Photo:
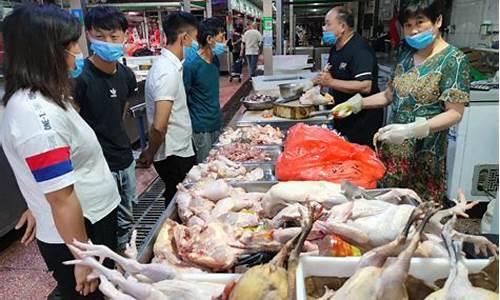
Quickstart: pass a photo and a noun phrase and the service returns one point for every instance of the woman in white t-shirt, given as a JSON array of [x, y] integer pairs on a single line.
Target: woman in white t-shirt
[[55, 155]]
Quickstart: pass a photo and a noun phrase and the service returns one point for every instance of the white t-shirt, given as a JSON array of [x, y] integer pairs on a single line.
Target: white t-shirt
[[252, 39], [50, 148], [164, 83]]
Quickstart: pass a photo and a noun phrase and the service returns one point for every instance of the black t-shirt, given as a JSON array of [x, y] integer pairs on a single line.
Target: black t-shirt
[[102, 98], [356, 61]]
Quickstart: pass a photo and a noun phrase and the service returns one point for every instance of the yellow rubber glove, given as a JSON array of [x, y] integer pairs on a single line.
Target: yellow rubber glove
[[352, 106]]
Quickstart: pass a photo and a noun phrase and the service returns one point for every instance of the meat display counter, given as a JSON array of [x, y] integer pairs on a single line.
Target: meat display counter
[[242, 118]]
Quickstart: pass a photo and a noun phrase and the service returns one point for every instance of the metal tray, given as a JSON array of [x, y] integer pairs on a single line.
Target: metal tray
[[268, 169], [250, 105], [273, 150], [145, 252], [284, 125], [242, 125]]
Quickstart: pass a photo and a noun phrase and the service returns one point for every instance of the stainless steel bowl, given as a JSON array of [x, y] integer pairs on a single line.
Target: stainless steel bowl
[[290, 90], [251, 105]]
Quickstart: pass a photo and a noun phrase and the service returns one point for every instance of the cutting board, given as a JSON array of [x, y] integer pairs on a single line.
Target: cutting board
[[293, 110]]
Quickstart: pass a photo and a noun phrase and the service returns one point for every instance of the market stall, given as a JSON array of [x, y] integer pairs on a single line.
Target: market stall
[[254, 204]]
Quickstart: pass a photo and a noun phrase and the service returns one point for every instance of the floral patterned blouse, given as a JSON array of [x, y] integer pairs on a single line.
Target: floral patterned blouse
[[420, 164]]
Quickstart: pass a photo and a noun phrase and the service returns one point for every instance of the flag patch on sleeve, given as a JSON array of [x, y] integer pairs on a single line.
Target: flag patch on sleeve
[[51, 164]]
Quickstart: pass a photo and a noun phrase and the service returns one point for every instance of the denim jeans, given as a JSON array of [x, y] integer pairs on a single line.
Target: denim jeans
[[252, 64], [203, 142], [125, 180]]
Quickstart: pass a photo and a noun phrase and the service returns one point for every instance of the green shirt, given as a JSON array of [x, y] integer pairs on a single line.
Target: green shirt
[[201, 81], [423, 91]]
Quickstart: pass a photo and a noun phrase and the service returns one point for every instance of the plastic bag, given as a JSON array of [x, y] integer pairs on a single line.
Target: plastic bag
[[315, 153]]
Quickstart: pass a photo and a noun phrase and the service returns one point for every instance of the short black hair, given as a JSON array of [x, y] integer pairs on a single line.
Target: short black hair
[[209, 27], [432, 9], [176, 23], [107, 18], [35, 41], [344, 15]]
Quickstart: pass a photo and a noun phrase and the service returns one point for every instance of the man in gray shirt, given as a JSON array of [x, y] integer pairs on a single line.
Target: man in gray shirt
[[251, 39]]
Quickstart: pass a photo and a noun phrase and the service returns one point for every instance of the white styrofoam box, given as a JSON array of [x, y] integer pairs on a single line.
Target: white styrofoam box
[[271, 82], [289, 62], [427, 269]]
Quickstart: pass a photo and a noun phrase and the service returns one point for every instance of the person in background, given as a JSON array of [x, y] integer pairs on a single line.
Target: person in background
[[353, 70], [201, 81], [55, 155], [170, 134], [102, 92], [235, 44], [428, 92], [251, 46]]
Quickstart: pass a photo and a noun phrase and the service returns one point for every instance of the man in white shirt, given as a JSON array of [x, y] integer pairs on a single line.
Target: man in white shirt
[[170, 146], [251, 40]]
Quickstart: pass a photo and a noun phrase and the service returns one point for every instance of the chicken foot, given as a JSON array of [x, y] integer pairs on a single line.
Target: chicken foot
[[128, 285], [153, 271]]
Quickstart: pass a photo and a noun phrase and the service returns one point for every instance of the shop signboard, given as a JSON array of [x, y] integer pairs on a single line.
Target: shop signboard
[[267, 29], [79, 14]]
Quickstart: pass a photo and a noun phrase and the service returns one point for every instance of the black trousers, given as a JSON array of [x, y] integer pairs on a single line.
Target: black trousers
[[102, 233], [361, 127], [172, 170]]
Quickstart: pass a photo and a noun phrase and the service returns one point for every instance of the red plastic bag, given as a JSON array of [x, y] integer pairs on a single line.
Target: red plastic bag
[[315, 153]]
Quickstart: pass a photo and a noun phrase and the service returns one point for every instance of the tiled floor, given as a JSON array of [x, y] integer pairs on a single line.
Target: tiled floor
[[23, 274]]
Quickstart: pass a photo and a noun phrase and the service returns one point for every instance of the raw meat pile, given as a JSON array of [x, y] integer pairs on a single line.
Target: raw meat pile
[[239, 152], [255, 135], [258, 98], [223, 168]]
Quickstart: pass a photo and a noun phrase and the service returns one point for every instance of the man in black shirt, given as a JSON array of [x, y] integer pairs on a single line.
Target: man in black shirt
[[102, 92], [353, 70]]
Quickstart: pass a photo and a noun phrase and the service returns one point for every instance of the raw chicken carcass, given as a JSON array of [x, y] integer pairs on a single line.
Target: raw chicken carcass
[[161, 285], [272, 280], [239, 152], [375, 279], [290, 213], [223, 168], [457, 285], [255, 135], [284, 193], [366, 223], [239, 219], [371, 223], [207, 246], [213, 190]]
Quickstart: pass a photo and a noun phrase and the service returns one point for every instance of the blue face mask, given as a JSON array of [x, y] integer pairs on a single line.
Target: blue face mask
[[421, 40], [329, 38], [190, 52], [79, 63], [107, 51], [219, 48]]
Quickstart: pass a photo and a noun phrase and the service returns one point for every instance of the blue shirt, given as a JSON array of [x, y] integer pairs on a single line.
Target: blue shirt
[[201, 81]]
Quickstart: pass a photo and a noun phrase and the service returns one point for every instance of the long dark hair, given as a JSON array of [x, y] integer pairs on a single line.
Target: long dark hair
[[35, 41]]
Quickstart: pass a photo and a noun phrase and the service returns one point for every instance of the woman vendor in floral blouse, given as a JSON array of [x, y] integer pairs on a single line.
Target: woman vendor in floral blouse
[[427, 93]]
